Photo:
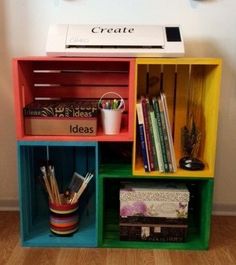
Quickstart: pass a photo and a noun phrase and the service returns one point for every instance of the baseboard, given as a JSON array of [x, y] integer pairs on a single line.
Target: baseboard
[[224, 209], [9, 205]]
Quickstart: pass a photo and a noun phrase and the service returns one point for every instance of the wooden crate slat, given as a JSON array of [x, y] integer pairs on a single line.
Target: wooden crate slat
[[169, 87], [81, 78], [81, 65], [78, 92], [154, 81], [182, 88]]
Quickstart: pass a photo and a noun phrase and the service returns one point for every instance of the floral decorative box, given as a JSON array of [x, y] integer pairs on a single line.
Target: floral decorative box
[[154, 200], [154, 212]]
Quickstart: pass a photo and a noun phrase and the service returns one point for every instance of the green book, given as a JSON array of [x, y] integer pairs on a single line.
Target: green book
[[155, 159], [165, 133], [157, 141], [161, 135]]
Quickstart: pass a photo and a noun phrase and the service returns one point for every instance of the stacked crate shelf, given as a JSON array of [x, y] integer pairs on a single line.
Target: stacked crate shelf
[[114, 158], [74, 78], [203, 75]]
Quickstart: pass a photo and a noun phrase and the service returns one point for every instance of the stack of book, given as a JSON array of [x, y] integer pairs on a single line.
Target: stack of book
[[155, 134], [61, 117]]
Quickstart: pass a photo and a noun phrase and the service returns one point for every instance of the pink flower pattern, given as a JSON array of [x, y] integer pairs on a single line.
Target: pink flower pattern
[[137, 208]]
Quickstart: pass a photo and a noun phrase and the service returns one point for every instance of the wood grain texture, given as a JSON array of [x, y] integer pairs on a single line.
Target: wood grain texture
[[222, 249]]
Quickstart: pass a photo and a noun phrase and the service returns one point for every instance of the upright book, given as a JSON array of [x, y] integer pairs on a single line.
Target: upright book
[[147, 132], [143, 141], [161, 133], [169, 134], [165, 133], [156, 137]]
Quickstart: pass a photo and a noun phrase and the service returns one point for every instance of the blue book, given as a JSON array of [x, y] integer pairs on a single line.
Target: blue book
[[142, 137]]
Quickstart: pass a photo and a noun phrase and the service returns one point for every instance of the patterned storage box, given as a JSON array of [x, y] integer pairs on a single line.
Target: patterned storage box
[[154, 212], [61, 117]]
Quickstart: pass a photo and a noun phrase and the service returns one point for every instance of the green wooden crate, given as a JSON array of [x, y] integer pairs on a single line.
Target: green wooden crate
[[199, 210]]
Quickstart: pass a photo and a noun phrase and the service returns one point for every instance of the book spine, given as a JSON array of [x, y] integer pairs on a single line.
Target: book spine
[[165, 134], [161, 135], [147, 132], [152, 135], [142, 136], [170, 138], [157, 142]]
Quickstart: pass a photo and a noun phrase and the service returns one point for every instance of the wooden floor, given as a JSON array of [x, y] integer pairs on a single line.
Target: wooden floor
[[222, 249]]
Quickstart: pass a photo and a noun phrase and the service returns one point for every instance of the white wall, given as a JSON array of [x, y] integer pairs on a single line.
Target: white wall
[[208, 29]]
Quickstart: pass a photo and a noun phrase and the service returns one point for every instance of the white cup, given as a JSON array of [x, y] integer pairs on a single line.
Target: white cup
[[111, 120]]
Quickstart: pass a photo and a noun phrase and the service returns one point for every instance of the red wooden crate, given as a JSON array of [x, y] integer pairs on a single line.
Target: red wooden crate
[[77, 78]]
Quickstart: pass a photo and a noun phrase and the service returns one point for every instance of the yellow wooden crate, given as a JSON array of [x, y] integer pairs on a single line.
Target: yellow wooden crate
[[197, 79]]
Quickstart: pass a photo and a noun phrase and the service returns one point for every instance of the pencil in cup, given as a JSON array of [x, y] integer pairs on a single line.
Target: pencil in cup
[[51, 184], [112, 104], [47, 184]]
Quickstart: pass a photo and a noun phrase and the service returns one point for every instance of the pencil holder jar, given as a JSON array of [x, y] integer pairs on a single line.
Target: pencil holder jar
[[64, 218], [111, 113]]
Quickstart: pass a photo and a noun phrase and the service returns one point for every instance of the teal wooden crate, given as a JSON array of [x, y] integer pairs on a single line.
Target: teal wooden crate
[[67, 158], [199, 212]]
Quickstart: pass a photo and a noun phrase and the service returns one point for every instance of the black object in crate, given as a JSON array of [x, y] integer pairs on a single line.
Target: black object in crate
[[138, 228]]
